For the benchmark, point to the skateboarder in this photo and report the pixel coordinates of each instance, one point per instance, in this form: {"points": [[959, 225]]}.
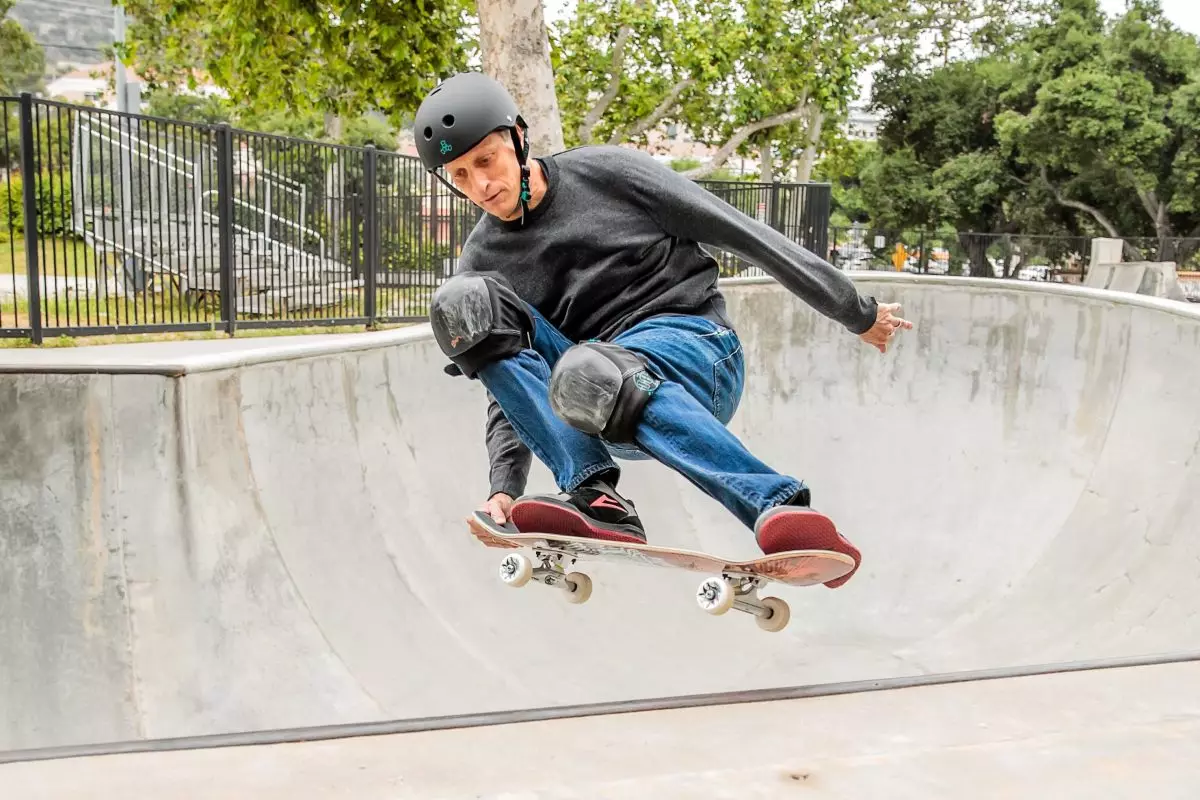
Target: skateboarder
{"points": [[585, 305]]}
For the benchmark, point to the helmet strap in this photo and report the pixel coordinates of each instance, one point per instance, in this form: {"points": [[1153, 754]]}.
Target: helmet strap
{"points": [[523, 160]]}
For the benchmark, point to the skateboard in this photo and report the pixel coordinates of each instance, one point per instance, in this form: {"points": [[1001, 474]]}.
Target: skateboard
{"points": [[730, 584]]}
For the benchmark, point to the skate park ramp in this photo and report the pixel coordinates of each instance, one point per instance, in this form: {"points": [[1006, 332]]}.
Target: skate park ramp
{"points": [[219, 537]]}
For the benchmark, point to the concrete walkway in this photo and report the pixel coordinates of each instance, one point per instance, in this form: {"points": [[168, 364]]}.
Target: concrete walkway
{"points": [[1126, 733]]}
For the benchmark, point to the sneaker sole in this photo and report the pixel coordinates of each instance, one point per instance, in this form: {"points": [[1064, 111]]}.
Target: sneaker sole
{"points": [[547, 516], [793, 528]]}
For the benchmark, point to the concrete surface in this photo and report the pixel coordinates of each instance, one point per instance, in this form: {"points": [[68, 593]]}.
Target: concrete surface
{"points": [[267, 543], [1108, 269], [1110, 734]]}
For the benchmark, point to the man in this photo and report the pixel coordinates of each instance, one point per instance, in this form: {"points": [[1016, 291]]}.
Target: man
{"points": [[586, 307]]}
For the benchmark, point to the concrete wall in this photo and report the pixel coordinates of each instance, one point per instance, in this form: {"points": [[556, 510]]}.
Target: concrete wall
{"points": [[281, 543]]}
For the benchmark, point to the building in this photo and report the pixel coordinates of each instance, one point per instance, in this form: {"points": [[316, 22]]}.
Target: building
{"points": [[861, 124]]}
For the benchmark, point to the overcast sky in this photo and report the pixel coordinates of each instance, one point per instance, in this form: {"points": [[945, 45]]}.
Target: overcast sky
{"points": [[1184, 13]]}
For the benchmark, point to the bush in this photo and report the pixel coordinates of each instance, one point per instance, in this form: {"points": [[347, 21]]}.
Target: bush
{"points": [[53, 196]]}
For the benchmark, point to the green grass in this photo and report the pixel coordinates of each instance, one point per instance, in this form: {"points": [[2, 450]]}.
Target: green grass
{"points": [[58, 255], [70, 258]]}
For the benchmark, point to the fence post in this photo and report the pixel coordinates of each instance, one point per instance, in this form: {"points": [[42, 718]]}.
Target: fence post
{"points": [[818, 201], [370, 233], [225, 224], [776, 218], [29, 181]]}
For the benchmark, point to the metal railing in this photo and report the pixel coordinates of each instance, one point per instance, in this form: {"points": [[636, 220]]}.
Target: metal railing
{"points": [[124, 223], [13, 287], [997, 255]]}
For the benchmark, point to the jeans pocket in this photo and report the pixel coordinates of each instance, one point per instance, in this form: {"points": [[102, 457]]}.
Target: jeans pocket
{"points": [[728, 375]]}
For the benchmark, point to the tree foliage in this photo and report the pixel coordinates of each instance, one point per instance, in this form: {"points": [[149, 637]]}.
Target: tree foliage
{"points": [[623, 66], [329, 56], [753, 77], [1081, 125], [1112, 129], [22, 61]]}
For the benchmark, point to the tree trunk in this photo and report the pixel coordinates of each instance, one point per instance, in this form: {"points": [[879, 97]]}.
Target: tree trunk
{"points": [[334, 125], [816, 121], [650, 120], [976, 247], [734, 142], [766, 163], [516, 52], [616, 71]]}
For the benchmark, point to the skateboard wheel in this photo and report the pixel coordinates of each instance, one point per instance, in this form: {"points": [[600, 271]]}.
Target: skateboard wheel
{"points": [[516, 569], [582, 590], [715, 596], [780, 615]]}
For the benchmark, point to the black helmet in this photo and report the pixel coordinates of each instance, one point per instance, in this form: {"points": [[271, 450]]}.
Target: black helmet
{"points": [[460, 113]]}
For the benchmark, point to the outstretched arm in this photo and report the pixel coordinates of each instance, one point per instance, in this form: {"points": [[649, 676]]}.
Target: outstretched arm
{"points": [[508, 456], [684, 209]]}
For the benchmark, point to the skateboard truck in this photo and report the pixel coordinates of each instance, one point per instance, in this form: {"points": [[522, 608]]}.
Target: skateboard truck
{"points": [[517, 570], [717, 595]]}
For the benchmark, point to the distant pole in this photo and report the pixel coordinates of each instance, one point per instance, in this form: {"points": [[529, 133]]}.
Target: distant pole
{"points": [[118, 65]]}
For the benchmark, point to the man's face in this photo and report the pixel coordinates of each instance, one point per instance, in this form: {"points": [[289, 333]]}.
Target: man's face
{"points": [[489, 175]]}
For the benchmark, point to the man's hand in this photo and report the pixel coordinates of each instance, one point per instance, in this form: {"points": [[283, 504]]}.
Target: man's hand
{"points": [[497, 507], [886, 325]]}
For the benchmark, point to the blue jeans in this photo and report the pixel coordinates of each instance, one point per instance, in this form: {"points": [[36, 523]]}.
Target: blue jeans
{"points": [[703, 371]]}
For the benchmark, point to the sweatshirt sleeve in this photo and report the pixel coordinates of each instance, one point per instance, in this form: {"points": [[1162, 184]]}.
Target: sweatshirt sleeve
{"points": [[508, 456], [684, 209]]}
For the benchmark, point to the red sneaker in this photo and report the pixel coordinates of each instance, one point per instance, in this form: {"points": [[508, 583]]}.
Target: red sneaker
{"points": [[793, 527], [593, 511]]}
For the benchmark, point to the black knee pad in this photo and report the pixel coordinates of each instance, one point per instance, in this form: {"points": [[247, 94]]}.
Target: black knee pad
{"points": [[602, 389], [477, 318]]}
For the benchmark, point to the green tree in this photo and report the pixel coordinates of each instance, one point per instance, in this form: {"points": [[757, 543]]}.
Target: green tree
{"points": [[1061, 132], [1109, 125], [332, 57], [940, 163], [752, 78], [623, 66], [22, 61], [188, 107], [842, 166]]}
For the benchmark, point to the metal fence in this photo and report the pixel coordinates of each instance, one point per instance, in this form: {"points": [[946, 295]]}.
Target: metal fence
{"points": [[999, 255], [123, 223], [798, 211], [12, 262], [1063, 259]]}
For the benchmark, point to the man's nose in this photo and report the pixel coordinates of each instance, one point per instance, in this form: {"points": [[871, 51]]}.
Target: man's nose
{"points": [[481, 184]]}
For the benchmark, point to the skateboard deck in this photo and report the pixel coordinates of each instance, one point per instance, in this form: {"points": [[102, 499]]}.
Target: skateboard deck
{"points": [[732, 584]]}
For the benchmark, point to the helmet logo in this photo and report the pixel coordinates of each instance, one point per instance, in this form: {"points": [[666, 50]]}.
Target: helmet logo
{"points": [[445, 147]]}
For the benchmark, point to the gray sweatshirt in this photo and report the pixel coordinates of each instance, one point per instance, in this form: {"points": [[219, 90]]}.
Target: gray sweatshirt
{"points": [[616, 239]]}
